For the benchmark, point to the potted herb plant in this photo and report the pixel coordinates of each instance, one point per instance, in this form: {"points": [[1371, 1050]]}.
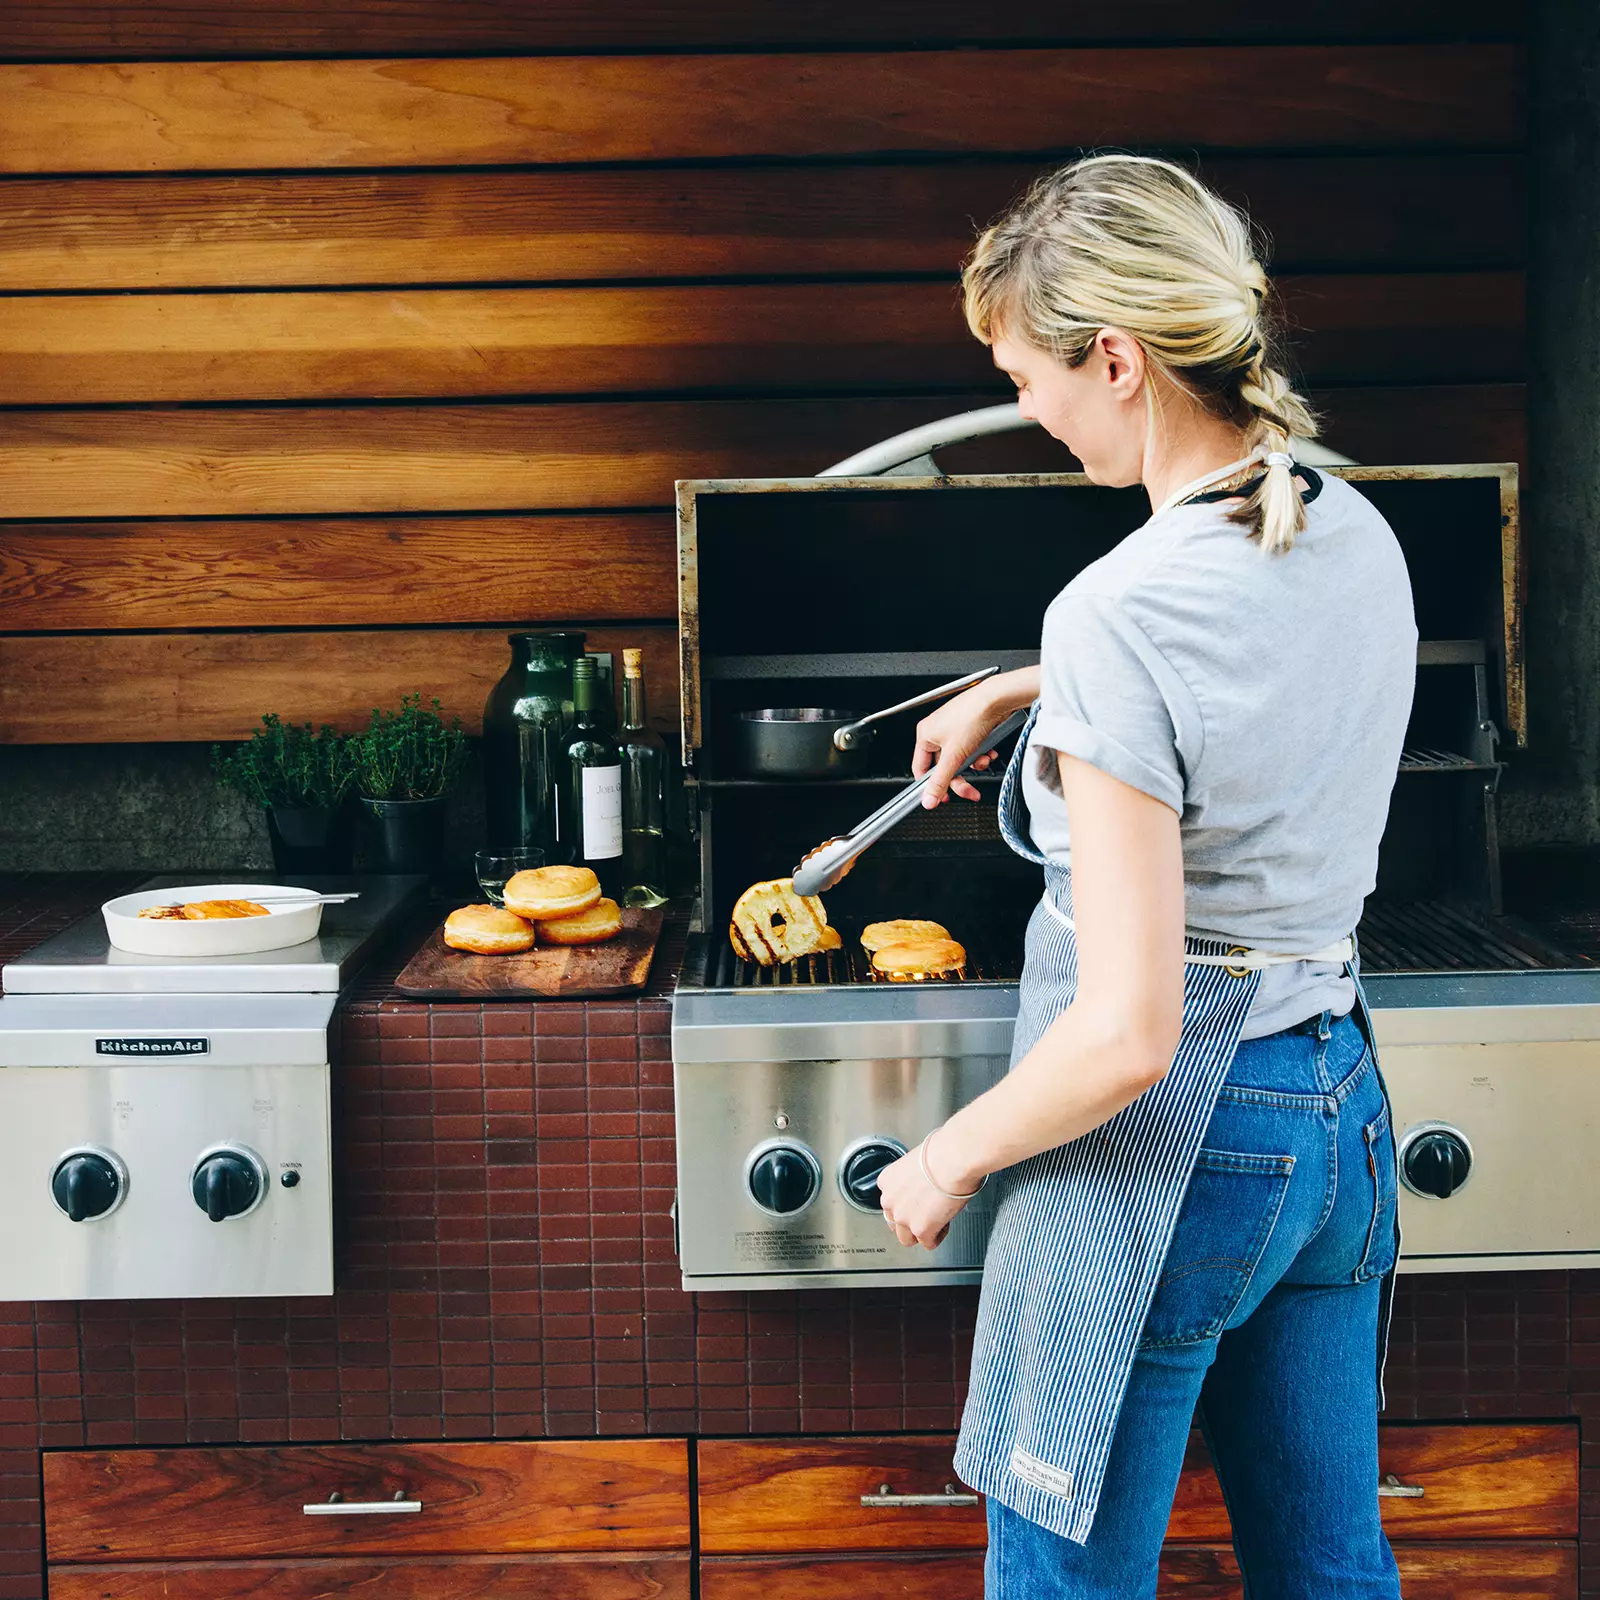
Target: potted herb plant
{"points": [[301, 777], [406, 763]]}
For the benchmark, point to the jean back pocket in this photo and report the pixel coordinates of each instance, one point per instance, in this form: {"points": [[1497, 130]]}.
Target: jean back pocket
{"points": [[1379, 1254], [1228, 1215]]}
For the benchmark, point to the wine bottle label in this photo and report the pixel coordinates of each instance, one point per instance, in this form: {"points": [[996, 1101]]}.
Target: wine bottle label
{"points": [[602, 813]]}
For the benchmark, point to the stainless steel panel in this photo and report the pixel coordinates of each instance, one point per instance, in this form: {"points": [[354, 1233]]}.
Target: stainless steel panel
{"points": [[1530, 1110], [725, 1111], [215, 1030], [158, 1119]]}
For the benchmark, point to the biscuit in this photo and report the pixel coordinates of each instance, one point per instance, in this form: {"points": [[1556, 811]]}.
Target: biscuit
{"points": [[601, 921], [545, 892], [900, 930], [920, 958], [487, 931], [771, 923]]}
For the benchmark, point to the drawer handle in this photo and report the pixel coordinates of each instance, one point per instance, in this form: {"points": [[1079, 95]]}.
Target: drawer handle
{"points": [[951, 1497], [337, 1506], [1395, 1490]]}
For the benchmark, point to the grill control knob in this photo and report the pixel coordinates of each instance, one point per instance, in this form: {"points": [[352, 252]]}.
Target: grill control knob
{"points": [[859, 1169], [228, 1182], [1435, 1161], [88, 1183], [782, 1178]]}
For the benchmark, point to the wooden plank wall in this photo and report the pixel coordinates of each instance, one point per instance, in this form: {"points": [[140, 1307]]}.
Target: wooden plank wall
{"points": [[336, 340]]}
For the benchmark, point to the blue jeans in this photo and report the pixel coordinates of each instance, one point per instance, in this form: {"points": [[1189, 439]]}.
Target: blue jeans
{"points": [[1266, 1321]]}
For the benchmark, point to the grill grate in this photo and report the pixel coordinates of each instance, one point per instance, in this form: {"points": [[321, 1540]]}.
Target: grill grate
{"points": [[850, 965], [1424, 758], [1438, 936]]}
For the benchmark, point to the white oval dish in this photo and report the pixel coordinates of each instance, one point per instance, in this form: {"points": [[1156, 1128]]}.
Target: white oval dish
{"points": [[283, 925]]}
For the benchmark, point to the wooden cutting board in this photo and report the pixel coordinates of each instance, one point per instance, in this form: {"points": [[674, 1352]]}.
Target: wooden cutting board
{"points": [[549, 972]]}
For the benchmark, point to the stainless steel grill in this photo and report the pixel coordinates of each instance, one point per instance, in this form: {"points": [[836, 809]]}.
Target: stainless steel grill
{"points": [[1443, 936]]}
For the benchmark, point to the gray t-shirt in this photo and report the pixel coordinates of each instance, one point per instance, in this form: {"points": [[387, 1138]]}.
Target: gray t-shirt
{"points": [[1264, 698]]}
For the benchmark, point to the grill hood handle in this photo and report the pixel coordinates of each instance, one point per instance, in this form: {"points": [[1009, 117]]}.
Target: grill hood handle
{"points": [[823, 868]]}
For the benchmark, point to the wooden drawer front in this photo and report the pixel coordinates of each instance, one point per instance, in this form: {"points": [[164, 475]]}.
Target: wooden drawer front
{"points": [[766, 1495], [1464, 1571], [166, 1505], [438, 1578], [1478, 1482]]}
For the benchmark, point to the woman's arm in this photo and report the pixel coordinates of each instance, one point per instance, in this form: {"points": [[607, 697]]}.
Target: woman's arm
{"points": [[1113, 1042], [947, 739]]}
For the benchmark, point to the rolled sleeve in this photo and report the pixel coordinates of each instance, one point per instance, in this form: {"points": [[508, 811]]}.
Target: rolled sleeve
{"points": [[1108, 697]]}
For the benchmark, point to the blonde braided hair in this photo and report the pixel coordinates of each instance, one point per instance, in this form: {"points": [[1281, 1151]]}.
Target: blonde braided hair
{"points": [[1134, 243]]}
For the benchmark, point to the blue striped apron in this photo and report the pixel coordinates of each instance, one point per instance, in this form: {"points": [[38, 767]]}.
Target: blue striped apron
{"points": [[1081, 1232]]}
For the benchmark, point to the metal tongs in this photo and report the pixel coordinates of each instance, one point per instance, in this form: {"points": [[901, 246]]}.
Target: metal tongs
{"points": [[824, 867]]}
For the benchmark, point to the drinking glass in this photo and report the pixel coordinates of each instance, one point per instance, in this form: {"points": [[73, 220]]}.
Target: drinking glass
{"points": [[496, 868]]}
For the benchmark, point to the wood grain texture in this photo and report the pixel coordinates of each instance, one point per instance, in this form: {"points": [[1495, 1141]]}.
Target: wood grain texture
{"points": [[1528, 1570], [185, 687], [767, 1496], [322, 572], [354, 460], [241, 115], [620, 966], [771, 338], [462, 1577], [478, 1499], [1388, 212], [119, 29]]}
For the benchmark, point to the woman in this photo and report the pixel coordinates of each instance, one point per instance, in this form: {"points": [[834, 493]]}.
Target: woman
{"points": [[1195, 1166]]}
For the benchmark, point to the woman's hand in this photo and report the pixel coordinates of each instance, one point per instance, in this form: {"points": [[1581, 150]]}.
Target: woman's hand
{"points": [[917, 1212], [947, 739]]}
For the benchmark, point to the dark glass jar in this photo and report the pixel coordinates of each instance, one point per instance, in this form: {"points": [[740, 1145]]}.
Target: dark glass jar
{"points": [[526, 721]]}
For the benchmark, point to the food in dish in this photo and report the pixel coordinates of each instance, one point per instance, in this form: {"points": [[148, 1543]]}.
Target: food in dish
{"points": [[921, 958], [771, 923], [594, 925], [488, 931], [900, 930], [541, 893], [204, 911]]}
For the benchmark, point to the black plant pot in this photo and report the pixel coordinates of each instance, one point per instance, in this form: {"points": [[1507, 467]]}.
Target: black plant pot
{"points": [[311, 839], [407, 835]]}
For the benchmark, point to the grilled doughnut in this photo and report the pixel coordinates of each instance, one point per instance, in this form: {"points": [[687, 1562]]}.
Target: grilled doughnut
{"points": [[487, 931], [596, 924], [545, 892], [901, 930], [929, 958], [771, 923]]}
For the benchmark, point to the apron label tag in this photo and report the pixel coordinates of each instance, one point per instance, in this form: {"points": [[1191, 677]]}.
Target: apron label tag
{"points": [[1040, 1474]]}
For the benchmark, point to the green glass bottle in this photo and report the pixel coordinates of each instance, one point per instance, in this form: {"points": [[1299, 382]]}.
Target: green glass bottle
{"points": [[644, 798], [589, 785]]}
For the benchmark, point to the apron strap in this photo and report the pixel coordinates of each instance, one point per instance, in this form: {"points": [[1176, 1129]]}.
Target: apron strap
{"points": [[1241, 959]]}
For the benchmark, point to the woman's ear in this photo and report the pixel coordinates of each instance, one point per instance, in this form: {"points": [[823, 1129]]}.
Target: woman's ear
{"points": [[1122, 361]]}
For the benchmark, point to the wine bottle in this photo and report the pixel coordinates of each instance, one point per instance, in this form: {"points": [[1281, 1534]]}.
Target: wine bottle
{"points": [[590, 785], [644, 796]]}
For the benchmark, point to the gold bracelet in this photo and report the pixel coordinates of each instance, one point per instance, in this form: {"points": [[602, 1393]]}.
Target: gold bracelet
{"points": [[933, 1182]]}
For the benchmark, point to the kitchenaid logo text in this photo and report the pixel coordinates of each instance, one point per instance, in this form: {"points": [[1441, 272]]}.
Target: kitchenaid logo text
{"points": [[152, 1047]]}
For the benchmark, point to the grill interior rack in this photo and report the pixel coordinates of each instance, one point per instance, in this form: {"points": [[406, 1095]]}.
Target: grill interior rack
{"points": [[860, 592]]}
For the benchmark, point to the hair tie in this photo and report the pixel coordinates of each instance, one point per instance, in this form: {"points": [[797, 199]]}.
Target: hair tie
{"points": [[1280, 458]]}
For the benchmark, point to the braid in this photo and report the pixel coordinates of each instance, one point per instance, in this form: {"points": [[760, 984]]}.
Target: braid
{"points": [[1275, 512]]}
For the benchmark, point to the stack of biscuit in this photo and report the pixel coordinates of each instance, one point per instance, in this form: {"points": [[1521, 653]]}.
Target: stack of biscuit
{"points": [[545, 905]]}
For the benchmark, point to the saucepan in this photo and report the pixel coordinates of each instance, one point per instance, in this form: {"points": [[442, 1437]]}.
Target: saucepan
{"points": [[820, 741]]}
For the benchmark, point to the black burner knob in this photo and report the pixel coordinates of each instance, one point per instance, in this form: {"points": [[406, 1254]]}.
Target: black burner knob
{"points": [[784, 1179], [1436, 1163], [85, 1185], [858, 1177], [226, 1184]]}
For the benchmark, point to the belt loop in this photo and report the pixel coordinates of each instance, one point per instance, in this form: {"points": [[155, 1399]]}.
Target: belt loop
{"points": [[1325, 1026]]}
